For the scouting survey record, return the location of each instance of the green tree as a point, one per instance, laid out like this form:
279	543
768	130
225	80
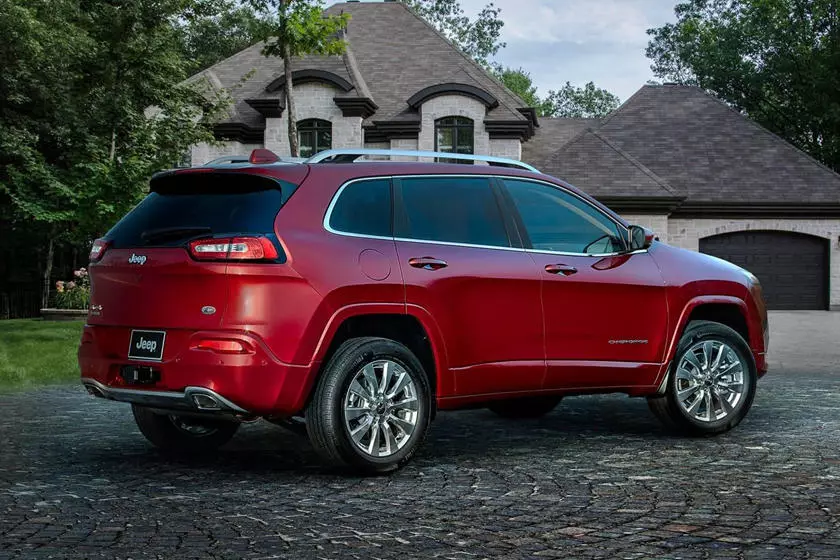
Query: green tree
76	148
588	101
519	82
299	27
776	60
220	32
479	37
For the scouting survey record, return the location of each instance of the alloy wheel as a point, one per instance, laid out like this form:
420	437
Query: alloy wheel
710	381
381	408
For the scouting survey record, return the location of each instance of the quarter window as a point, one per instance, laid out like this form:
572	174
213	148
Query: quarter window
451	209
314	135
364	208
557	221
455	135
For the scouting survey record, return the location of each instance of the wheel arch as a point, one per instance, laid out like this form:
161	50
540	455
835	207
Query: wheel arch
411	326
726	310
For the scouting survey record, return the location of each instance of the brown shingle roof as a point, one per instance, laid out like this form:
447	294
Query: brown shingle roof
392	54
710	152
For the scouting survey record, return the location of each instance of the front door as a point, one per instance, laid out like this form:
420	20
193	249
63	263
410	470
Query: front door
460	266
605	309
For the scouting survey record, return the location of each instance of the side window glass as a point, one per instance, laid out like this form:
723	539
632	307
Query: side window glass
557	221
364	208
451	209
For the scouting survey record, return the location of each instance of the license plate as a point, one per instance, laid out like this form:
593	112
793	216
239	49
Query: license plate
146	345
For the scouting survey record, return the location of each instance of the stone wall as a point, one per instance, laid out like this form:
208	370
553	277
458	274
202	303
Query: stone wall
315	101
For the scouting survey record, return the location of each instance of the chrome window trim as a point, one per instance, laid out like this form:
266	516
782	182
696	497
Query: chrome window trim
335	198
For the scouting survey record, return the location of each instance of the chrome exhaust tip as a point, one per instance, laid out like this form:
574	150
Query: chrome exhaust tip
203	401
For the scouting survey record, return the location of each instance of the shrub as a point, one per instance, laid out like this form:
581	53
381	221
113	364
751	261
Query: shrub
74	294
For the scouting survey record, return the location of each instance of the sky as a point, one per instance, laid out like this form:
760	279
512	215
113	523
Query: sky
579	40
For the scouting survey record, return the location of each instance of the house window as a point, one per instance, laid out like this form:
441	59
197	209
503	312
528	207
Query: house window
314	135
454	135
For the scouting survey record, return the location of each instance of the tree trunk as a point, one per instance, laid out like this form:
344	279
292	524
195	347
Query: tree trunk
48	266
113	151
291	115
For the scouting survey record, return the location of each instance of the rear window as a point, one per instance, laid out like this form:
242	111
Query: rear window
364	208
200	205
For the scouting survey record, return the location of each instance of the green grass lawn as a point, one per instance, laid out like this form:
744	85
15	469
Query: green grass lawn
35	352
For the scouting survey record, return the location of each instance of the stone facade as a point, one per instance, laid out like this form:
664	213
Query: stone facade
315	101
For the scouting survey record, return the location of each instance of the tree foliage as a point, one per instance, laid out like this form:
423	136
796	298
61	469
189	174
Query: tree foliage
219	32
776	60
76	148
569	101
479	37
588	101
299	27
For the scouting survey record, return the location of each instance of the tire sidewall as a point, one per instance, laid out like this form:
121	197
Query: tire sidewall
347	366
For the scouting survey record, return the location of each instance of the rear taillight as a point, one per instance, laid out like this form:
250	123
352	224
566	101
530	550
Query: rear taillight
98	249
237	249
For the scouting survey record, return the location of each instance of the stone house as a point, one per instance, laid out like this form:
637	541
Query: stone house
671	157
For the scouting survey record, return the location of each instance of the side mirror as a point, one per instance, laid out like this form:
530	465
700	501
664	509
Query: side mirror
640	238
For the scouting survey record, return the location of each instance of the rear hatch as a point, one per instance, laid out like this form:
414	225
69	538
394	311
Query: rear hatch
164	264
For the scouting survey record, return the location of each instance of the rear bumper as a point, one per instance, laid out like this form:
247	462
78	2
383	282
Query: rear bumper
253	383
193	399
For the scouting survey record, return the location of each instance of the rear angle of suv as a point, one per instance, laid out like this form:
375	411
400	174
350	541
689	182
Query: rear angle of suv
363	297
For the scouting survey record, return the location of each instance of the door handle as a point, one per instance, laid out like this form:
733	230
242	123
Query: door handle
563	269
427	263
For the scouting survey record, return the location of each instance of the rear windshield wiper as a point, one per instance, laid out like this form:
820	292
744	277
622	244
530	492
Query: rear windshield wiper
171	233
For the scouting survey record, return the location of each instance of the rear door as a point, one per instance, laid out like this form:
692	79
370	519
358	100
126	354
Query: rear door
605	309
460	265
147	276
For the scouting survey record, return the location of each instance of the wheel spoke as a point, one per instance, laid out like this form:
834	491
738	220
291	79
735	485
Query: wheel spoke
695	404
408	403
354	412
373	446
734	387
405	426
691	358
718	357
362	429
370	379
685	393
725	406
708	348
707	400
402	382
387	373
391	445
359	390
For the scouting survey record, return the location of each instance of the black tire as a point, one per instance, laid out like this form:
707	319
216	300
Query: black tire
173	432
525	407
325	416
667	407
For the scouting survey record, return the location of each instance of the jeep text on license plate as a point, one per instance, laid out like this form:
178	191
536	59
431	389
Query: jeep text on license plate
146	345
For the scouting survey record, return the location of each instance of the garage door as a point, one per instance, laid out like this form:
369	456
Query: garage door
792	267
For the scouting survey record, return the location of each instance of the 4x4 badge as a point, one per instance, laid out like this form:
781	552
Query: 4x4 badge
208	309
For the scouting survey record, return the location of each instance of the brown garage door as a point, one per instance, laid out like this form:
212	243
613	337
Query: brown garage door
792	267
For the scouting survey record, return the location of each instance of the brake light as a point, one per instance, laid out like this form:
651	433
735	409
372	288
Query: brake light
98	249
238	249
223	346
261	155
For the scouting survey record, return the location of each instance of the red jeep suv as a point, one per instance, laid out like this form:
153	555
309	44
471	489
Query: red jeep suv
361	297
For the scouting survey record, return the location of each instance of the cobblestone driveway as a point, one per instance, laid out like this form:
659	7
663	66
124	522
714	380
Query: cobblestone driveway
596	479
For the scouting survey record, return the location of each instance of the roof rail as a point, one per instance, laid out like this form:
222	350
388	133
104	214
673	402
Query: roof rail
351	155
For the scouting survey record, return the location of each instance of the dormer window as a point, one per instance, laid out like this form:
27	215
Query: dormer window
314	135
455	135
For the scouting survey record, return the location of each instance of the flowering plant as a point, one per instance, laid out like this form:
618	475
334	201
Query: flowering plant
74	294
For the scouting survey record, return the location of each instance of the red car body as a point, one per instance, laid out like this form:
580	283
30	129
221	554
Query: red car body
495	322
